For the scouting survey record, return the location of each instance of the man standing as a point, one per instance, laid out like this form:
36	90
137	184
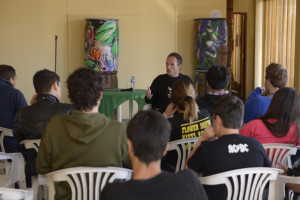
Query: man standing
230	151
159	92
256	104
217	79
83	137
11	100
30	122
148	135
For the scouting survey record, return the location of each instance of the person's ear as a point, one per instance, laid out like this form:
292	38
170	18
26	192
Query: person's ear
12	80
166	149
101	95
179	67
218	121
55	85
130	147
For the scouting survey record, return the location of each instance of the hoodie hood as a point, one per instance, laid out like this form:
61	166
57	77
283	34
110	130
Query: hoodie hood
83	127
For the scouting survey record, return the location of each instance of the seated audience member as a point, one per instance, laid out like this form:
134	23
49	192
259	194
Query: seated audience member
217	79
30	122
256	104
230	151
83	137
159	92
188	121
281	123
11	99
148	135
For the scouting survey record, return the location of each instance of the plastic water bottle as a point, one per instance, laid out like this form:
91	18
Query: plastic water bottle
132	82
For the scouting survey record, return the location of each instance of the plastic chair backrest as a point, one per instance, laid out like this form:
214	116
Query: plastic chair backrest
280	185
32	144
40	179
15	194
15	172
246	183
278	152
183	148
87	182
4	132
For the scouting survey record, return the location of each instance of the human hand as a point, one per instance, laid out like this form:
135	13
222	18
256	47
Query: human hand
263	89
208	133
284	167
148	93
170	110
33	99
170	90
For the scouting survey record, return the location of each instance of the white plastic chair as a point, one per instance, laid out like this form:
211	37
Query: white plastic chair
14	194
40	180
32	144
278	152
280	185
246	183
4	132
87	182
183	148
14	170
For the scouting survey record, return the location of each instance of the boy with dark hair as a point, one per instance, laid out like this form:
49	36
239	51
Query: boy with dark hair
148	135
30	122
217	79
159	92
83	137
43	81
256	104
230	151
11	100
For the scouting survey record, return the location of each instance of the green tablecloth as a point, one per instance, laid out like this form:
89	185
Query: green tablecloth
112	98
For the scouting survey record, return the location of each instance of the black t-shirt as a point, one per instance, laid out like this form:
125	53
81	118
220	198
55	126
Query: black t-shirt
182	129
227	153
167	186
208	101
160	91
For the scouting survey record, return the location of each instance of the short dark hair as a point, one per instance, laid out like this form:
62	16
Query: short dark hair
231	110
7	72
277	75
177	56
217	77
285	109
43	80
149	131
85	87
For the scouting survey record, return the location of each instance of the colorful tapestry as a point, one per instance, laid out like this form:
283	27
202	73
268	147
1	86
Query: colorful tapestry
101	45
210	37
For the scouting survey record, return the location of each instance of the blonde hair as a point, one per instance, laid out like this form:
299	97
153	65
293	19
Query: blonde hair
183	95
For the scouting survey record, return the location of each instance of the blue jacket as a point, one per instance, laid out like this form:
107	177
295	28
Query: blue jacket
256	105
11	100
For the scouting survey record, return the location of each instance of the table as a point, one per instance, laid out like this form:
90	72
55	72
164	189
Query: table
113	98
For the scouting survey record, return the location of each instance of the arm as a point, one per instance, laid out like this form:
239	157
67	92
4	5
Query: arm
207	135
17	127
150	93
170	110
